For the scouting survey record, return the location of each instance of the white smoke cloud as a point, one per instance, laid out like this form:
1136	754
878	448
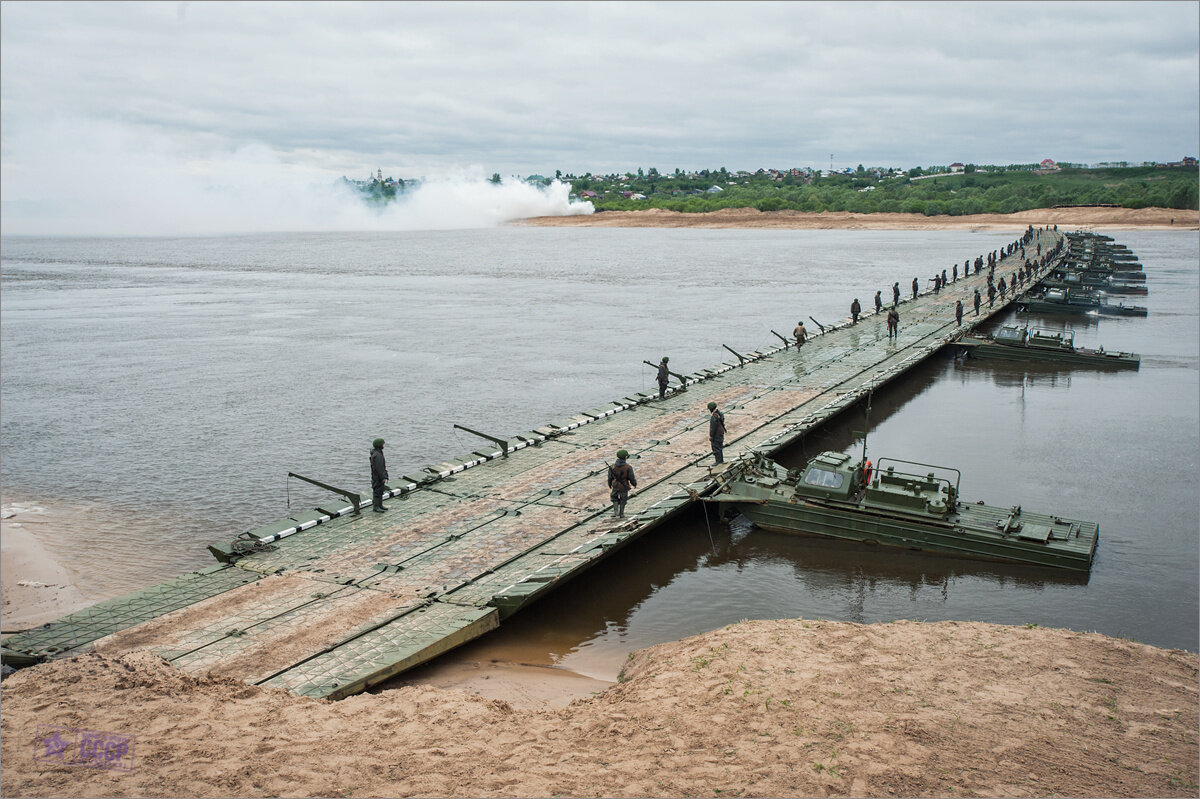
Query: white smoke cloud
88	178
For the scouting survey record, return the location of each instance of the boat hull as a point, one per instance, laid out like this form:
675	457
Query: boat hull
1070	544
1103	360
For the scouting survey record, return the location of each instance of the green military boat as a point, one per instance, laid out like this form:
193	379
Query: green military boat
1109	308
1058	346
1060	300
834	496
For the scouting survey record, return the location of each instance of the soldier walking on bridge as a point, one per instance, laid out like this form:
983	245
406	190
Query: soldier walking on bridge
878	301
379	475
893	324
954	273
1002	287
664	377
977	300
991	294
916	287
800	333
895	293
855	310
716	432
958	312
620	480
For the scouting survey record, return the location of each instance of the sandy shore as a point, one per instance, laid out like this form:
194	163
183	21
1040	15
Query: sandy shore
34	586
1071	218
761	708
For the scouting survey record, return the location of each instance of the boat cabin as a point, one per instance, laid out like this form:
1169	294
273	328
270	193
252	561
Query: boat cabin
831	475
835	475
1009	334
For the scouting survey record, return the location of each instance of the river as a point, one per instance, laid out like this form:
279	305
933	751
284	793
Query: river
155	392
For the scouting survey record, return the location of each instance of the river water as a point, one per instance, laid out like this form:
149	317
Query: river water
155	392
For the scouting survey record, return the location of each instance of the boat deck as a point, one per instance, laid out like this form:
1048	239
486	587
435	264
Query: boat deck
341	601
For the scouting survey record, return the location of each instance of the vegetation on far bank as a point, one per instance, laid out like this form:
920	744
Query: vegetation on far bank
997	191
932	191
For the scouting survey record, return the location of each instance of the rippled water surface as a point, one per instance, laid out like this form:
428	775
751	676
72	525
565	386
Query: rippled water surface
154	393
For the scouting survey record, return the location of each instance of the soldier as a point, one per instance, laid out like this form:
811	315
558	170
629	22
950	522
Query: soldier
878	301
916	287
716	431
663	377
958	312
893	324
895	293
379	475
944	281
855	310
1003	287
954	273
800	333
991	295
620	480
978	299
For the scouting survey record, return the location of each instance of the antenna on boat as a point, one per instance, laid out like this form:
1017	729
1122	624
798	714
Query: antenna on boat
867	426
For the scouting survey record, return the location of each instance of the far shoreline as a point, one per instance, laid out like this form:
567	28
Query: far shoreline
752	218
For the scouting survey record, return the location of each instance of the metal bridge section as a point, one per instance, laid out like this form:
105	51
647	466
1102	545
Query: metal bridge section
329	602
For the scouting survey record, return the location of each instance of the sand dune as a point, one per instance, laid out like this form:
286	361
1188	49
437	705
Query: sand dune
761	708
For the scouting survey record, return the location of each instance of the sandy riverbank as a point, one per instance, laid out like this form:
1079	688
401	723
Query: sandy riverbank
34	586
1069	218
761	708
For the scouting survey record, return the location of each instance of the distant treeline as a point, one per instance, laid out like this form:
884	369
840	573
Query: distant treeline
865	191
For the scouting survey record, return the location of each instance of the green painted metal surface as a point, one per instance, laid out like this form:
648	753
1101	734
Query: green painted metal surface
67	635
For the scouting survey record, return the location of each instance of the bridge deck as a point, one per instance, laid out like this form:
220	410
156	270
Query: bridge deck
349	599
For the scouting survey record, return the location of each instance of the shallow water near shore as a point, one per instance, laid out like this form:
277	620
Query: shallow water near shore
156	392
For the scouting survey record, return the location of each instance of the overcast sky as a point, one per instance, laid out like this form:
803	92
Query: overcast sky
429	88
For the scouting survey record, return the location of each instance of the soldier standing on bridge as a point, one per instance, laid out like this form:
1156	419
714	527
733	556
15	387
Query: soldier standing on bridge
954	273
944	281
716	431
893	324
379	475
855	310
1002	287
800	333
895	293
664	377
977	300
991	294
916	287
958	312
878	301
620	480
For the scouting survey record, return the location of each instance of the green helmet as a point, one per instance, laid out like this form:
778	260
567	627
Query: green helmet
665	359
712	406
377	443
622	454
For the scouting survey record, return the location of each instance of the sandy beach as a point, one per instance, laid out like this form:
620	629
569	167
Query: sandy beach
760	708
34	587
1071	218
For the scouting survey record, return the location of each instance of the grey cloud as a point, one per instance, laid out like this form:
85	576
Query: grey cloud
523	87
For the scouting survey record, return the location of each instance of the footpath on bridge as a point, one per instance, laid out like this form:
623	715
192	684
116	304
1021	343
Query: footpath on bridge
329	602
